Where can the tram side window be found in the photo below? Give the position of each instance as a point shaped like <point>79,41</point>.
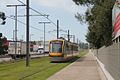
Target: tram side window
<point>67,47</point>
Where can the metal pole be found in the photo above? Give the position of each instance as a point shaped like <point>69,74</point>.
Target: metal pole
<point>27,34</point>
<point>57,29</point>
<point>44,35</point>
<point>68,36</point>
<point>44,38</point>
<point>15,31</point>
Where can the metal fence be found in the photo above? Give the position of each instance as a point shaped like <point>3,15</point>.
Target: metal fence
<point>110,57</point>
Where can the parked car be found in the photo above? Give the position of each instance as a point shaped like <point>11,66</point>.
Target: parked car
<point>40,50</point>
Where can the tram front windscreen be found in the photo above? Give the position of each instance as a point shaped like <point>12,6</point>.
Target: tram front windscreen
<point>56,47</point>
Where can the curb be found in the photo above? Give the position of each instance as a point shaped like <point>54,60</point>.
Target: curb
<point>103,70</point>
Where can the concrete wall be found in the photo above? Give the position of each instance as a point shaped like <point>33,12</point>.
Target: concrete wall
<point>110,57</point>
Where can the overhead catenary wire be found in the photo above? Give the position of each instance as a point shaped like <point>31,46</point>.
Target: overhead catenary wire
<point>25,24</point>
<point>38,13</point>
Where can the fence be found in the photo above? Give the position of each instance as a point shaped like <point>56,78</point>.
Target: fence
<point>110,57</point>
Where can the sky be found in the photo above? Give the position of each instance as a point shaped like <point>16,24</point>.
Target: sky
<point>62,10</point>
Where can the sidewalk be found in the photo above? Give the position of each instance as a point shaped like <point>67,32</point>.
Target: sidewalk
<point>85,68</point>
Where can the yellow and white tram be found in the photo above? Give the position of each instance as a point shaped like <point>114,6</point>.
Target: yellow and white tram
<point>61,50</point>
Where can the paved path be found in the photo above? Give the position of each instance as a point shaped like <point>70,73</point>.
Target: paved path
<point>85,68</point>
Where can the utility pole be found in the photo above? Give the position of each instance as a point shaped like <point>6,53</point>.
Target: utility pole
<point>57,29</point>
<point>15,25</point>
<point>27,34</point>
<point>44,33</point>
<point>68,36</point>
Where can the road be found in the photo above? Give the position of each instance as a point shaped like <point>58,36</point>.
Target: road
<point>5,59</point>
<point>32,56</point>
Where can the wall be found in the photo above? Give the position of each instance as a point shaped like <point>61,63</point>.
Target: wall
<point>110,57</point>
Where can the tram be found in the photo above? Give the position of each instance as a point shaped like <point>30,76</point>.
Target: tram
<point>61,50</point>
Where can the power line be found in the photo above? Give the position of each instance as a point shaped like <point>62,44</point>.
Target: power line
<point>38,13</point>
<point>25,24</point>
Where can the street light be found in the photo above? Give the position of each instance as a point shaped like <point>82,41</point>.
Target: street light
<point>44,32</point>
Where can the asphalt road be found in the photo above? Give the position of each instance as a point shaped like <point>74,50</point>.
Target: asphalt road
<point>5,59</point>
<point>32,56</point>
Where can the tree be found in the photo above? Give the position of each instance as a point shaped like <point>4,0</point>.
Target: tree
<point>3,45</point>
<point>3,17</point>
<point>99,18</point>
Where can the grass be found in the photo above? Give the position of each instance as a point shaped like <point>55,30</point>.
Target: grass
<point>82,53</point>
<point>40,69</point>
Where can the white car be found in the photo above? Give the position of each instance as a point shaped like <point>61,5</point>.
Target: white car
<point>40,50</point>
